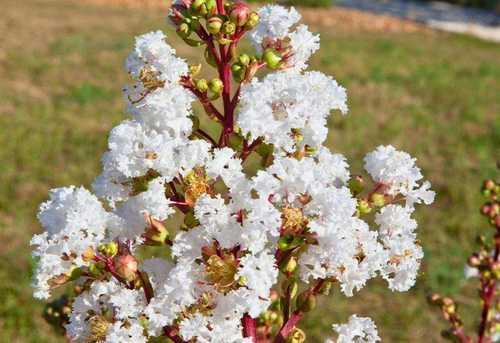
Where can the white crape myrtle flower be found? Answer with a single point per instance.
(275, 23)
(397, 170)
(231, 283)
(134, 151)
(290, 110)
(152, 51)
(311, 196)
(397, 234)
(157, 99)
(303, 45)
(356, 330)
(107, 312)
(131, 215)
(276, 30)
(74, 221)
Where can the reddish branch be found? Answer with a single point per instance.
(296, 316)
(249, 327)
(488, 291)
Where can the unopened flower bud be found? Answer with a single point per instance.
(229, 28)
(240, 13)
(297, 336)
(156, 233)
(364, 207)
(109, 249)
(126, 267)
(216, 86)
(214, 25)
(201, 85)
(306, 301)
(194, 69)
(273, 61)
(184, 30)
(244, 60)
(197, 4)
(211, 6)
(238, 72)
(377, 199)
(253, 21)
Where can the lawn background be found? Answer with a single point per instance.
(434, 95)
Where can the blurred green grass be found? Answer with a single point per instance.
(434, 95)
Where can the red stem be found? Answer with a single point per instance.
(287, 328)
(295, 317)
(249, 327)
(488, 290)
(220, 7)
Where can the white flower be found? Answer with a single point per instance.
(74, 221)
(290, 110)
(152, 51)
(397, 170)
(275, 31)
(357, 330)
(275, 22)
(398, 237)
(303, 44)
(134, 211)
(107, 312)
(157, 100)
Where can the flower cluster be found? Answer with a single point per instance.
(241, 216)
(483, 265)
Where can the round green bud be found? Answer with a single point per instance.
(196, 5)
(377, 199)
(201, 85)
(184, 30)
(229, 28)
(244, 59)
(253, 21)
(216, 86)
(214, 25)
(364, 207)
(273, 61)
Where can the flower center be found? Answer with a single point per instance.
(98, 329)
(149, 79)
(221, 272)
(197, 184)
(293, 219)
